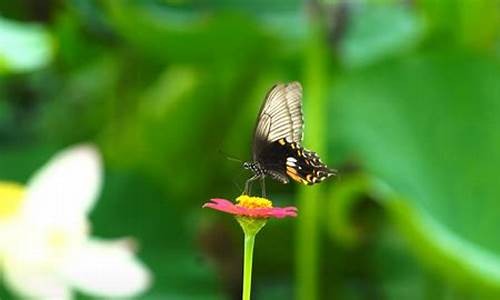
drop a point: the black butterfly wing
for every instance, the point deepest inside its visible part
(305, 166)
(277, 138)
(292, 160)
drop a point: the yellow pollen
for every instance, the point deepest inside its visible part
(11, 197)
(253, 202)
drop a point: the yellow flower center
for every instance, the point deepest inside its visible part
(253, 202)
(11, 197)
(58, 239)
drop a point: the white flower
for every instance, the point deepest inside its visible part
(45, 247)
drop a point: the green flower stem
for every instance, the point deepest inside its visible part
(250, 227)
(247, 266)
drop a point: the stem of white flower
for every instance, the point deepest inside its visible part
(247, 266)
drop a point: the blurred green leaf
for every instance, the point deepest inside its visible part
(224, 31)
(343, 197)
(428, 127)
(88, 101)
(483, 14)
(19, 163)
(5, 112)
(469, 264)
(23, 47)
(134, 207)
(145, 133)
(398, 272)
(470, 23)
(379, 31)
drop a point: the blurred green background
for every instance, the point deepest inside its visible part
(403, 97)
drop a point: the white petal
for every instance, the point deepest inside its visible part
(66, 188)
(107, 269)
(44, 245)
(35, 283)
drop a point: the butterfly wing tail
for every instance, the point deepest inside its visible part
(313, 170)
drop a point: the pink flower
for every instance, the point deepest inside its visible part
(253, 207)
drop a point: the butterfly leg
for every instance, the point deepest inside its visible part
(248, 184)
(263, 186)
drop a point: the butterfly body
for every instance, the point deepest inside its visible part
(277, 150)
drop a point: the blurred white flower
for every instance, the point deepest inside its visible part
(46, 250)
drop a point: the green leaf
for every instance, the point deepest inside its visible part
(185, 33)
(164, 242)
(428, 127)
(470, 23)
(18, 164)
(466, 262)
(23, 47)
(377, 32)
(343, 198)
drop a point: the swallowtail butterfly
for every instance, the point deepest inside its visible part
(277, 150)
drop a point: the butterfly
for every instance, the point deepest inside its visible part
(277, 151)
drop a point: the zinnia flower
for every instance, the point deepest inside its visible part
(252, 213)
(253, 207)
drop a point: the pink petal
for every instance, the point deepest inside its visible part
(222, 205)
(284, 212)
(229, 207)
(222, 201)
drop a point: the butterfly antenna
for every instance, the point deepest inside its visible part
(230, 157)
(238, 187)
